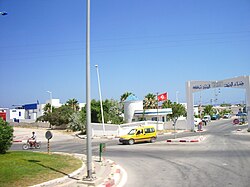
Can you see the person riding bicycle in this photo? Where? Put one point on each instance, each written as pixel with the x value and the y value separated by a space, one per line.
pixel 32 139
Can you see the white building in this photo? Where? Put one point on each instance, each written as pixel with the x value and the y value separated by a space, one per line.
pixel 152 114
pixel 55 103
pixel 15 115
pixel 131 104
pixel 133 111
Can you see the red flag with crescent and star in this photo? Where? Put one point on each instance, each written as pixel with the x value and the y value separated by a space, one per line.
pixel 163 97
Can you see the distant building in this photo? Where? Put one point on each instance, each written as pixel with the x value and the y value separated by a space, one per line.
pixel 55 103
pixel 29 112
pixel 15 115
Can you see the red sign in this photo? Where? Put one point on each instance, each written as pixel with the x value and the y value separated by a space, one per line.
pixel 236 121
pixel 163 97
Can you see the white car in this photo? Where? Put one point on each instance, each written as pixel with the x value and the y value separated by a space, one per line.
pixel 206 118
pixel 227 115
pixel 197 121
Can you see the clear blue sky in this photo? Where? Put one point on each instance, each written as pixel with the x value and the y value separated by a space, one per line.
pixel 141 46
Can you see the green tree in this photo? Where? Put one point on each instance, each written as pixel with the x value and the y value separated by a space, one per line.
pixel 78 121
pixel 60 116
pixel 47 108
pixel 47 113
pixel 225 111
pixel 177 110
pixel 111 112
pixel 225 104
pixel 122 99
pixel 73 104
pixel 125 96
pixel 150 101
pixel 208 110
pixel 6 136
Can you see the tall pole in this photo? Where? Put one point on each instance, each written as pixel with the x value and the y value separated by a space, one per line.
pixel 100 94
pixel 51 102
pixel 176 95
pixel 157 108
pixel 88 101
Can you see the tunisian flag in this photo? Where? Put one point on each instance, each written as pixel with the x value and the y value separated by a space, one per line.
pixel 163 97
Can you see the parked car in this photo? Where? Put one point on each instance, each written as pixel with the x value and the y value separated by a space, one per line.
pixel 206 118
pixel 215 117
pixel 227 116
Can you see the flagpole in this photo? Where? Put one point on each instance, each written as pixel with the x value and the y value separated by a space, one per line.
pixel 157 108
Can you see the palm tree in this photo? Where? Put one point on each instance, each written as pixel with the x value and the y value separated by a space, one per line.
pixel 208 110
pixel 125 96
pixel 122 99
pixel 47 108
pixel 73 104
pixel 150 101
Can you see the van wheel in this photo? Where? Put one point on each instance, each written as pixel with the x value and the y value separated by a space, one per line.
pixel 131 142
pixel 152 140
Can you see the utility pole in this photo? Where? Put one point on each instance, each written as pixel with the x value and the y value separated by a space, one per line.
pixel 88 99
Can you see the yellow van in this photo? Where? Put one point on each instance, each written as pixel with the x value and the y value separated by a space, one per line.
pixel 139 134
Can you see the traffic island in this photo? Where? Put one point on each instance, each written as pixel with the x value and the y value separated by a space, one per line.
pixel 193 139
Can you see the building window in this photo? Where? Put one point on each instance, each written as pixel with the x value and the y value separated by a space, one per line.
pixel 20 113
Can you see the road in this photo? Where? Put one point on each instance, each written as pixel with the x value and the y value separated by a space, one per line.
pixel 222 159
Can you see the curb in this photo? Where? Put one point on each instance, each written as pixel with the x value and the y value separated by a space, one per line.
pixel 201 138
pixel 118 176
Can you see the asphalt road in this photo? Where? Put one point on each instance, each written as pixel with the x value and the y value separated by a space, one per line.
pixel 222 159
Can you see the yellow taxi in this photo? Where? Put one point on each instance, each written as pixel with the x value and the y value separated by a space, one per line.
pixel 139 134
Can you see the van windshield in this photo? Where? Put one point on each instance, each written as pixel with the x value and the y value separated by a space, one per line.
pixel 132 132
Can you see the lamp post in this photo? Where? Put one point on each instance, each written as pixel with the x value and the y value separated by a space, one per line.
pixel 3 13
pixel 50 93
pixel 100 94
pixel 176 95
pixel 88 99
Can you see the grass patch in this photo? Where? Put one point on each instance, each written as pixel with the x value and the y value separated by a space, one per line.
pixel 21 168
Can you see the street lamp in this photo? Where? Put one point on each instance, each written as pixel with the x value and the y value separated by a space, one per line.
pixel 50 93
pixel 176 95
pixel 100 94
pixel 88 98
pixel 3 13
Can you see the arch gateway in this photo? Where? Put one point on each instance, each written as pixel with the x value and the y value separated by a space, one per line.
pixel 242 82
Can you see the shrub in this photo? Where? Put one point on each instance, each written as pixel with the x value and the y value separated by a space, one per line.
pixel 6 136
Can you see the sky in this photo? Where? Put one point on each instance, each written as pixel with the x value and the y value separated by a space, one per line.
pixel 140 46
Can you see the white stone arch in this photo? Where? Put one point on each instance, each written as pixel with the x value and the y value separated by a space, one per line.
pixel 242 82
